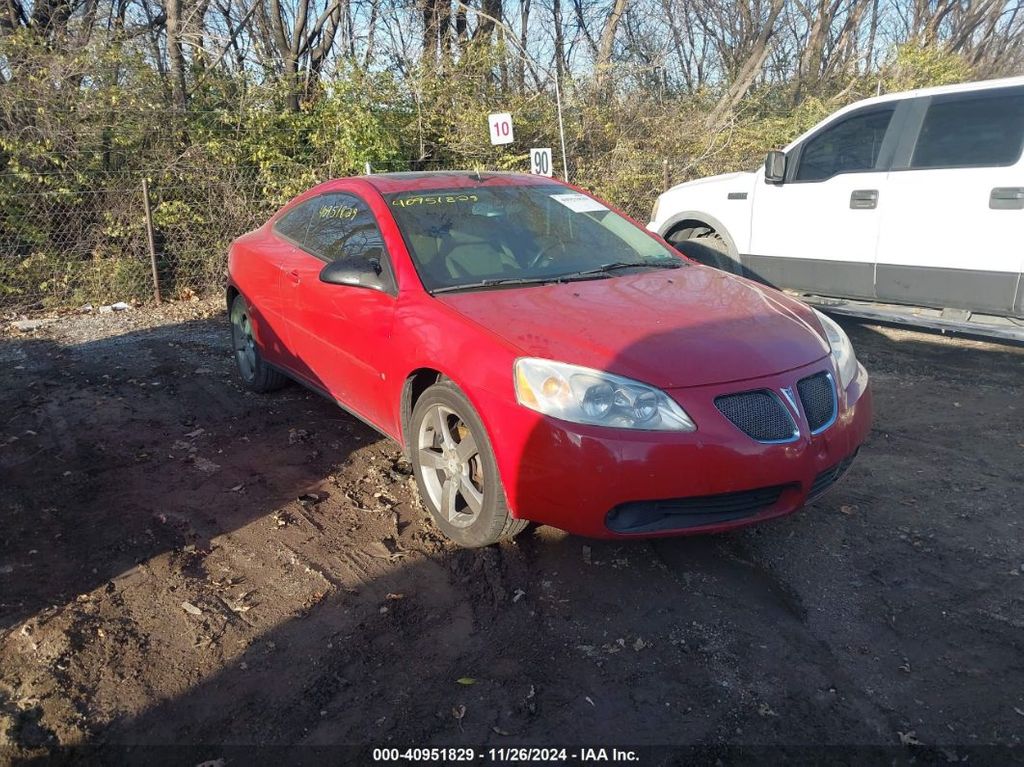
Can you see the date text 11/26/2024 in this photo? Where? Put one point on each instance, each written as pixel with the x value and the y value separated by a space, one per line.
pixel 522 754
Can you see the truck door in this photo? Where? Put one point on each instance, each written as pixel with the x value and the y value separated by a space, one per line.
pixel 952 226
pixel 818 230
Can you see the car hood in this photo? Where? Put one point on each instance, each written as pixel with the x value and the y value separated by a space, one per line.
pixel 670 328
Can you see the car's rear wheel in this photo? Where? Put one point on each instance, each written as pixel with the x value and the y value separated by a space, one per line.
pixel 255 373
pixel 455 469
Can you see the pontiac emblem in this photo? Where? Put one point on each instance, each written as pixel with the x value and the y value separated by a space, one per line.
pixel 787 392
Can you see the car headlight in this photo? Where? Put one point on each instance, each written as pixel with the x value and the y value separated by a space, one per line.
pixel 842 349
pixel 583 395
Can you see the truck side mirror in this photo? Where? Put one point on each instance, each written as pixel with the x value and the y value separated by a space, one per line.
pixel 775 167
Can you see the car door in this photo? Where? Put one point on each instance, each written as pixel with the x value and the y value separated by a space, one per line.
pixel 817 231
pixel 341 334
pixel 277 254
pixel 953 220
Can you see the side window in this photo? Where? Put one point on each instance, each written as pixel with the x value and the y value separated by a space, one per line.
pixel 971 131
pixel 847 147
pixel 342 226
pixel 293 223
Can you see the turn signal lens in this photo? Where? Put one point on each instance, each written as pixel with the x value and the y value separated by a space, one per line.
pixel 523 390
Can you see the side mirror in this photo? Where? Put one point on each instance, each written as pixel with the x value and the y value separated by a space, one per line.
pixel 775 167
pixel 360 269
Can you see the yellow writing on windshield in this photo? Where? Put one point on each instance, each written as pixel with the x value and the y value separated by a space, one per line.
pixel 434 199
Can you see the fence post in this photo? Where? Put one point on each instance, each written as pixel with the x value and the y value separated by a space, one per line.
pixel 666 176
pixel 151 239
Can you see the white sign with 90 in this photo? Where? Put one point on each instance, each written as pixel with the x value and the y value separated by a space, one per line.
pixel 500 124
pixel 540 162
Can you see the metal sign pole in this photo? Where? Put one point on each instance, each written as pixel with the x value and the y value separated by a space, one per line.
pixel 561 127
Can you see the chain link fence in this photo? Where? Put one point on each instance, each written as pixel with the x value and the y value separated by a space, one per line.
pixel 73 240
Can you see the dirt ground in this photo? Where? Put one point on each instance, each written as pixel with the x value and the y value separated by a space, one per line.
pixel 185 562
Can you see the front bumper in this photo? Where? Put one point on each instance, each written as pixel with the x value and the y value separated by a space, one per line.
pixel 613 483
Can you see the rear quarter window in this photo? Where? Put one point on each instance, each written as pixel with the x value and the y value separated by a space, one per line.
pixel 972 130
pixel 293 224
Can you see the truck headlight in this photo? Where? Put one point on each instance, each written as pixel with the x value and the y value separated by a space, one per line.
pixel 582 395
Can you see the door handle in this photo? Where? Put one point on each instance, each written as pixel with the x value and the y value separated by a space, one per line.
pixel 864 199
pixel 293 275
pixel 1007 198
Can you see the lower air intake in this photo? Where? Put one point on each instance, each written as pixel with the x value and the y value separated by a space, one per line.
pixel 697 511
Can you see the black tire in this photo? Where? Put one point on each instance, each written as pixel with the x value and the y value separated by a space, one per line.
pixel 492 521
pixel 255 373
pixel 705 246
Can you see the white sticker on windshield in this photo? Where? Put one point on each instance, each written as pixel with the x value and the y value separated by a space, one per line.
pixel 579 202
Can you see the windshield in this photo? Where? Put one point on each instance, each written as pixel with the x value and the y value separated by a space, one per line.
pixel 508 235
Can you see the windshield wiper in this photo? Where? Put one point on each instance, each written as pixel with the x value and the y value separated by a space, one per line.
pixel 616 265
pixel 495 283
pixel 596 273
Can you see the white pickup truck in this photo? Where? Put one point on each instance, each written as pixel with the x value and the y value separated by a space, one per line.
pixel 910 198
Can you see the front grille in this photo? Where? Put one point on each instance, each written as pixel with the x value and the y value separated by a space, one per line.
pixel 818 396
pixel 829 477
pixel 682 513
pixel 759 414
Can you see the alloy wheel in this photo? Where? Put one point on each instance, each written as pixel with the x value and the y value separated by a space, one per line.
pixel 449 459
pixel 243 342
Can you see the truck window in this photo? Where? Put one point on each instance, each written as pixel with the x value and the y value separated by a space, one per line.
pixel 972 130
pixel 846 147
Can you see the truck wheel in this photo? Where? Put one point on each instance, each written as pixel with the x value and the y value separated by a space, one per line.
pixel 705 246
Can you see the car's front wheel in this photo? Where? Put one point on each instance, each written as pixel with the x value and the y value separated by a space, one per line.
pixel 455 469
pixel 256 374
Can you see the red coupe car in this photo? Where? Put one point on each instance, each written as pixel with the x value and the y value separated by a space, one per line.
pixel 541 357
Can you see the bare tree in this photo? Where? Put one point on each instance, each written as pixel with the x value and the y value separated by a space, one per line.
pixel 758 34
pixel 607 45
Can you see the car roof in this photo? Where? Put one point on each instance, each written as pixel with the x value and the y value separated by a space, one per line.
pixel 389 183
